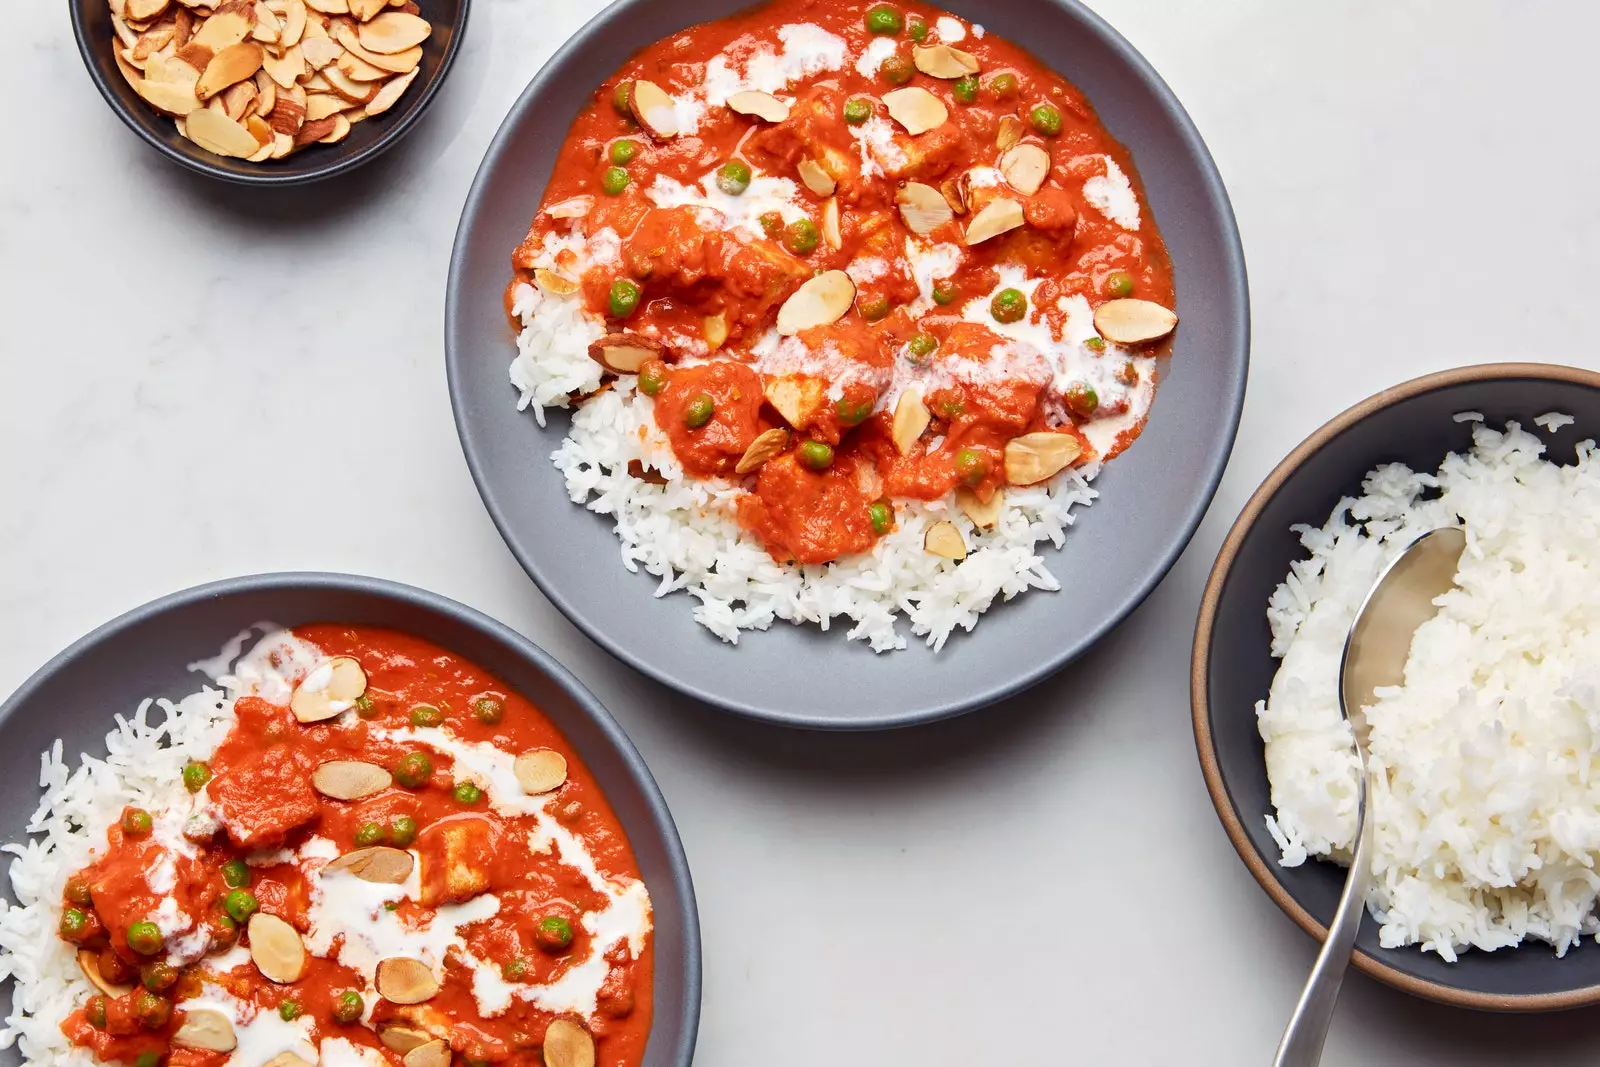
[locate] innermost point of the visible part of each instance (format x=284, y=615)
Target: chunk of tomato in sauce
x=808, y=516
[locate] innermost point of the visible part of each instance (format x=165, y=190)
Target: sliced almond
x=572, y=208
x=403, y=1039
x=996, y=218
x=154, y=41
x=192, y=55
x=1025, y=167
x=625, y=353
x=393, y=32
x=653, y=109
x=435, y=1053
x=206, y=1028
x=830, y=224
x=267, y=30
x=222, y=30
x=266, y=93
x=815, y=178
x=553, y=283
x=320, y=105
x=263, y=153
x=217, y=133
x=320, y=51
x=943, y=539
x=341, y=130
x=819, y=302
x=365, y=10
x=923, y=207
x=312, y=132
x=567, y=1044
x=287, y=68
x=329, y=7
x=131, y=74
x=316, y=83
x=954, y=191
x=144, y=10
x=357, y=69
x=796, y=397
x=1010, y=132
x=1033, y=457
x=175, y=98
x=1133, y=322
x=260, y=131
x=983, y=516
x=182, y=27
x=348, y=779
x=767, y=444
x=276, y=949
x=540, y=770
x=398, y=63
x=916, y=109
x=288, y=115
x=125, y=33
x=714, y=328
x=761, y=105
x=332, y=687
x=406, y=981
x=910, y=419
x=389, y=95
x=347, y=87
x=282, y=144
x=89, y=964
x=942, y=61
x=380, y=863
x=294, y=23
x=240, y=100
x=287, y=1059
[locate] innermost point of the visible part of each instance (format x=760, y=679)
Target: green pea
x=921, y=346
x=965, y=89
x=402, y=831
x=1097, y=344
x=624, y=152
x=289, y=1010
x=391, y=905
x=873, y=308
x=857, y=111
x=236, y=873
x=145, y=937
x=624, y=298
x=368, y=834
x=1003, y=85
x=240, y=905
x=801, y=237
x=426, y=715
x=514, y=970
x=1119, y=283
x=881, y=515
x=917, y=28
x=349, y=1006
x=896, y=69
x=622, y=98
x=817, y=455
x=158, y=976
x=614, y=180
x=1081, y=399
x=223, y=930
x=554, y=933
x=365, y=708
x=884, y=19
x=1046, y=119
x=853, y=413
x=95, y=1012
x=195, y=776
x=413, y=770
x=972, y=466
x=78, y=891
x=699, y=411
x=652, y=377
x=1128, y=374
x=153, y=1011
x=136, y=822
x=147, y=1059
x=1008, y=305
x=945, y=292
x=466, y=793
x=74, y=924
x=489, y=710
x=733, y=177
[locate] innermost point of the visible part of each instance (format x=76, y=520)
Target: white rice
x=1487, y=796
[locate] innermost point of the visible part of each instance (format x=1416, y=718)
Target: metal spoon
x=1374, y=655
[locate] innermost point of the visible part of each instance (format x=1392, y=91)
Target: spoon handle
x=1308, y=1026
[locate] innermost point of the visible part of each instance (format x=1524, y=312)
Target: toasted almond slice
x=1025, y=167
x=282, y=145
x=820, y=301
x=553, y=283
x=1010, y=132
x=435, y=1053
x=267, y=30
x=332, y=687
x=654, y=110
x=916, y=109
x=796, y=397
x=239, y=99
x=341, y=130
x=397, y=63
x=320, y=105
x=942, y=61
x=294, y=19
x=403, y=1039
x=365, y=10
x=1133, y=322
x=312, y=132
x=983, y=516
x=406, y=981
x=761, y=105
x=567, y=1044
x=767, y=444
x=540, y=770
x=286, y=69
x=830, y=224
x=276, y=949
x=182, y=26
x=996, y=218
x=348, y=779
x=714, y=328
x=910, y=419
x=266, y=93
x=393, y=32
x=923, y=207
x=386, y=97
x=320, y=51
x=89, y=964
x=263, y=153
x=573, y=208
x=260, y=131
x=625, y=353
x=954, y=191
x=216, y=132
x=286, y=119
x=943, y=539
x=380, y=863
x=131, y=74
x=316, y=83
x=1033, y=457
x=329, y=7
x=124, y=32
x=206, y=1028
x=154, y=41
x=144, y=10
x=815, y=178
x=222, y=30
x=175, y=98
x=287, y=1059
x=171, y=71
x=348, y=87
x=358, y=69
x=194, y=56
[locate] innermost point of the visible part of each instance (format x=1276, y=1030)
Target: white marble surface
x=185, y=364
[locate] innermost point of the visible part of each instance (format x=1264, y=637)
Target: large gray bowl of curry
x=1151, y=498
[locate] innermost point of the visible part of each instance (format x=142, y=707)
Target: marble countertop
x=185, y=360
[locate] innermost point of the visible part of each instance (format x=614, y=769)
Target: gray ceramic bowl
x=91, y=25
x=143, y=653
x=1232, y=667
x=1152, y=497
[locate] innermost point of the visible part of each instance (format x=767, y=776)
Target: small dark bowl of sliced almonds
x=269, y=92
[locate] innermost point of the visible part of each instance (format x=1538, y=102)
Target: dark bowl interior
x=91, y=24
x=1233, y=668
x=1152, y=497
x=144, y=652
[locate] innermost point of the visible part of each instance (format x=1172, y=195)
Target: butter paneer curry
x=858, y=255
x=390, y=858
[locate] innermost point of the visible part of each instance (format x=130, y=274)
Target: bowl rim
x=404, y=121
x=1232, y=264
x=1199, y=676
x=691, y=966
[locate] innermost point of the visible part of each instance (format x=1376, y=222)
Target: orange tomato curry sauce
x=714, y=219
x=261, y=829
